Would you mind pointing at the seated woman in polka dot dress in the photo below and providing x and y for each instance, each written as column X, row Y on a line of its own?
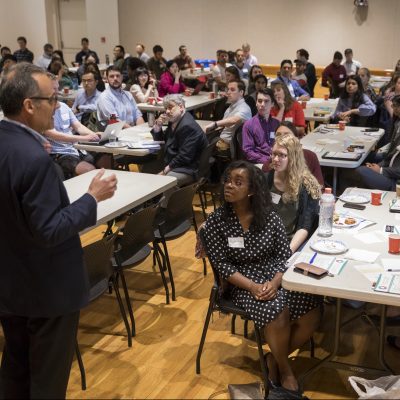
column 247, row 243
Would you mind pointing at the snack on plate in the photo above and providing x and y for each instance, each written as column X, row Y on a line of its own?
column 336, row 218
column 350, row 221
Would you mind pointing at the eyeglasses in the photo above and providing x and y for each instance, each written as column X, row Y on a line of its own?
column 52, row 99
column 87, row 81
column 280, row 156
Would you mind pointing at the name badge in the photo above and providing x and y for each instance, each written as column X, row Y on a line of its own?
column 276, row 198
column 237, row 242
column 341, row 76
column 289, row 119
column 272, row 135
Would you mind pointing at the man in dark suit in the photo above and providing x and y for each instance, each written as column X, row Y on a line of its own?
column 43, row 282
column 184, row 140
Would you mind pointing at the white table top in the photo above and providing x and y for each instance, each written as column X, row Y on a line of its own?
column 133, row 189
column 194, row 73
column 134, row 134
column 191, row 103
column 351, row 283
column 336, row 141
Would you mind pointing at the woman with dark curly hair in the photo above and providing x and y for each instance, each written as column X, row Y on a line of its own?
column 247, row 244
column 354, row 105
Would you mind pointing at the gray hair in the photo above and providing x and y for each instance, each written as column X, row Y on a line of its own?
column 17, row 86
column 173, row 98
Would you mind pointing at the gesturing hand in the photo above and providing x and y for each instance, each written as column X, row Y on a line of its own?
column 103, row 189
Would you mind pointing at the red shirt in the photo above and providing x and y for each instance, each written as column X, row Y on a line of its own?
column 337, row 74
column 295, row 114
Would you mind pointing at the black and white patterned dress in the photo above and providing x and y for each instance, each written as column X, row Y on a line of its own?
column 264, row 254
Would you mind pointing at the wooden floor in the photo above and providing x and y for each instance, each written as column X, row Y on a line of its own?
column 161, row 363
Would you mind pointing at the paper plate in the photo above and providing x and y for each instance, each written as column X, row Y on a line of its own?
column 115, row 145
column 345, row 221
column 354, row 198
column 329, row 246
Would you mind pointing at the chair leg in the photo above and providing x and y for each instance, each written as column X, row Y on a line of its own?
column 171, row 278
column 233, row 327
column 194, row 221
column 203, row 203
column 128, row 302
column 81, row 366
column 264, row 368
column 312, row 347
column 156, row 254
column 246, row 328
column 122, row 309
column 203, row 336
column 204, row 266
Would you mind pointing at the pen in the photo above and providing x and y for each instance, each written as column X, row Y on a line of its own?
column 313, row 258
column 391, row 270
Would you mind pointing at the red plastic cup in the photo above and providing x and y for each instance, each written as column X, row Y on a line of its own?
column 394, row 244
column 211, row 95
column 376, row 198
column 188, row 92
column 304, row 104
column 66, row 90
column 326, row 96
column 151, row 100
column 342, row 125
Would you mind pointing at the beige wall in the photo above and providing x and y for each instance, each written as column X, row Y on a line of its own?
column 23, row 18
column 275, row 29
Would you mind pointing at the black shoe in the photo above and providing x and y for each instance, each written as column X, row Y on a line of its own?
column 391, row 340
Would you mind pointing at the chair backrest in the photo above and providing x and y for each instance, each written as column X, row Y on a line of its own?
column 97, row 257
column 205, row 157
column 234, row 143
column 224, row 288
column 179, row 208
column 138, row 232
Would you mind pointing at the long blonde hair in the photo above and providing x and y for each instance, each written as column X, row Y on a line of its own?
column 297, row 173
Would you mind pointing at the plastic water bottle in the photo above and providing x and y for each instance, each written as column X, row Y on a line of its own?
column 107, row 59
column 326, row 210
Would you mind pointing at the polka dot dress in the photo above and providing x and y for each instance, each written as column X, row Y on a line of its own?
column 264, row 254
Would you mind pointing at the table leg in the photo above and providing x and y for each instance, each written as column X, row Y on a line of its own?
column 381, row 350
column 336, row 343
column 334, row 183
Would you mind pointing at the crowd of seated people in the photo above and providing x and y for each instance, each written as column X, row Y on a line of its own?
column 272, row 195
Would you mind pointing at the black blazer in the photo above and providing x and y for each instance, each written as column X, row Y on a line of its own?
column 42, row 272
column 183, row 146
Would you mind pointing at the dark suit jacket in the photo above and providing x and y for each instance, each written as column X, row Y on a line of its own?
column 183, row 146
column 41, row 272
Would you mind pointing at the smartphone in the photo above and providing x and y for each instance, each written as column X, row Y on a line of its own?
column 370, row 130
column 355, row 206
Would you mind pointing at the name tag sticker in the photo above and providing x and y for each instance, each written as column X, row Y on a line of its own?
column 236, row 242
column 289, row 119
column 276, row 198
column 272, row 135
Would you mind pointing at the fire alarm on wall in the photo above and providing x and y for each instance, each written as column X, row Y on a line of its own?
column 103, row 39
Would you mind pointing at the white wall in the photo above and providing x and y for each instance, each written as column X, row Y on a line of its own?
column 275, row 29
column 102, row 21
column 23, row 18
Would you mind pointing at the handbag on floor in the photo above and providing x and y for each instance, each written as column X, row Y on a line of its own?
column 246, row 391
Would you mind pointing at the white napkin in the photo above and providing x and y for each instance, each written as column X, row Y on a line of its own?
column 369, row 237
column 362, row 255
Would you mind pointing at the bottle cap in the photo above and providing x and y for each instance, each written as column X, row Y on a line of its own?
column 328, row 190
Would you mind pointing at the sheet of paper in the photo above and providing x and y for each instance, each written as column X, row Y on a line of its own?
column 362, row 255
column 320, row 260
column 369, row 238
column 337, row 266
column 391, row 263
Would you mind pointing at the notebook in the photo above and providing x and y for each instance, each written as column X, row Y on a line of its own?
column 339, row 155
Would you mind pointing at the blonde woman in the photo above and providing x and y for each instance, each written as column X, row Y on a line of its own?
column 295, row 191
